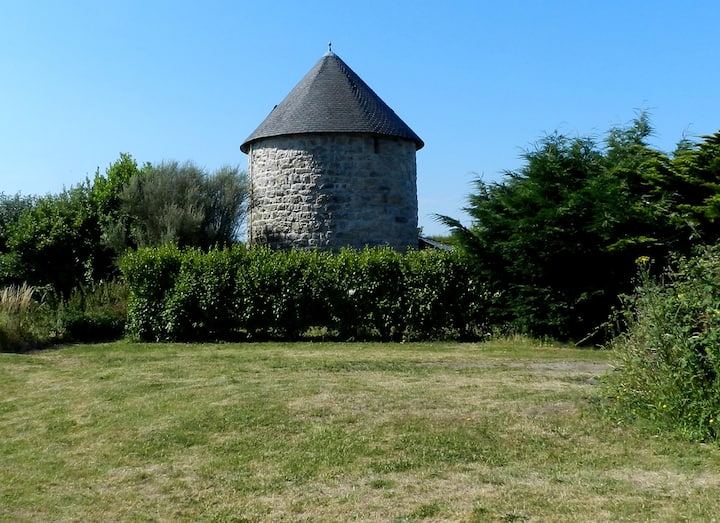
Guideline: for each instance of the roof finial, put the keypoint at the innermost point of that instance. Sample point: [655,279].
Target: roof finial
[330,47]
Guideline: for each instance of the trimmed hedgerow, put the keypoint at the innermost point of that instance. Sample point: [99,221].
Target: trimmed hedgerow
[151,276]
[236,292]
[284,293]
[201,301]
[442,297]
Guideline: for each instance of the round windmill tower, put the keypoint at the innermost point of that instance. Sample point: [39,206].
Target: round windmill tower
[332,166]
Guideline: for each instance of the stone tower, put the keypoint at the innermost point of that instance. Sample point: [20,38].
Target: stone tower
[332,166]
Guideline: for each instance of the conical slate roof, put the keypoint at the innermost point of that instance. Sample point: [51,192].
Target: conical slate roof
[331,98]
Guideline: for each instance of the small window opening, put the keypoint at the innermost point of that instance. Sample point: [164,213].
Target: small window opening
[376,145]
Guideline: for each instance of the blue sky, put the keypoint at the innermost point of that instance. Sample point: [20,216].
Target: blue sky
[480,82]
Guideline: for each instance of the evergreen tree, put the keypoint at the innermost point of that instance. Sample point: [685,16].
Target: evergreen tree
[697,184]
[558,239]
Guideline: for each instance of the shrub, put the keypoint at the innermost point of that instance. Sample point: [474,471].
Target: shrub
[669,372]
[202,302]
[368,300]
[286,292]
[95,312]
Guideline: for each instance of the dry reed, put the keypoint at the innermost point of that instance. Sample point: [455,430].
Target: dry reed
[16,299]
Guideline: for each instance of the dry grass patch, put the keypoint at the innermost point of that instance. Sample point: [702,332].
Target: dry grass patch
[331,432]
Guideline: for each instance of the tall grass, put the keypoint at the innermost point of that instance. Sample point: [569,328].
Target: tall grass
[16,300]
[23,321]
[669,357]
[32,319]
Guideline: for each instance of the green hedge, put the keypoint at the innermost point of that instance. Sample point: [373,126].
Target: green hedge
[256,293]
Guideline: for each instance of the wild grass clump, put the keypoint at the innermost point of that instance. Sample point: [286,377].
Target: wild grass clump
[25,322]
[669,356]
[16,299]
[32,318]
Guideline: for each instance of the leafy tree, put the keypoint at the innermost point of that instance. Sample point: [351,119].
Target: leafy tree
[106,190]
[11,208]
[74,237]
[180,204]
[55,241]
[227,192]
[106,204]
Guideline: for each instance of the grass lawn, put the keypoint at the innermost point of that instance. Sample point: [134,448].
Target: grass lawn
[502,431]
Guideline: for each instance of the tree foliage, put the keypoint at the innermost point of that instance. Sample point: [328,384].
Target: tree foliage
[179,204]
[558,239]
[697,185]
[75,237]
[11,208]
[55,241]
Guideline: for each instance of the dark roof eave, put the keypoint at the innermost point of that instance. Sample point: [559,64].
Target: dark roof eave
[245,147]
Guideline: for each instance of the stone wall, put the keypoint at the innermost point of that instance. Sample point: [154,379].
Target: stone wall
[328,191]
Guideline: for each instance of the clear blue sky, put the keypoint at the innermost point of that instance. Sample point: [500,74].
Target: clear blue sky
[480,82]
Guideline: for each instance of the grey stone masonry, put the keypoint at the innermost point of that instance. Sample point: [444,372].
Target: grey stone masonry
[332,190]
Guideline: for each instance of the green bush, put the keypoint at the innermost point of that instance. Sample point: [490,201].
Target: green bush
[369,291]
[287,292]
[94,313]
[374,293]
[669,371]
[32,318]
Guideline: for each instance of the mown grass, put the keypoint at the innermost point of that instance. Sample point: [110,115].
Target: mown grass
[502,431]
